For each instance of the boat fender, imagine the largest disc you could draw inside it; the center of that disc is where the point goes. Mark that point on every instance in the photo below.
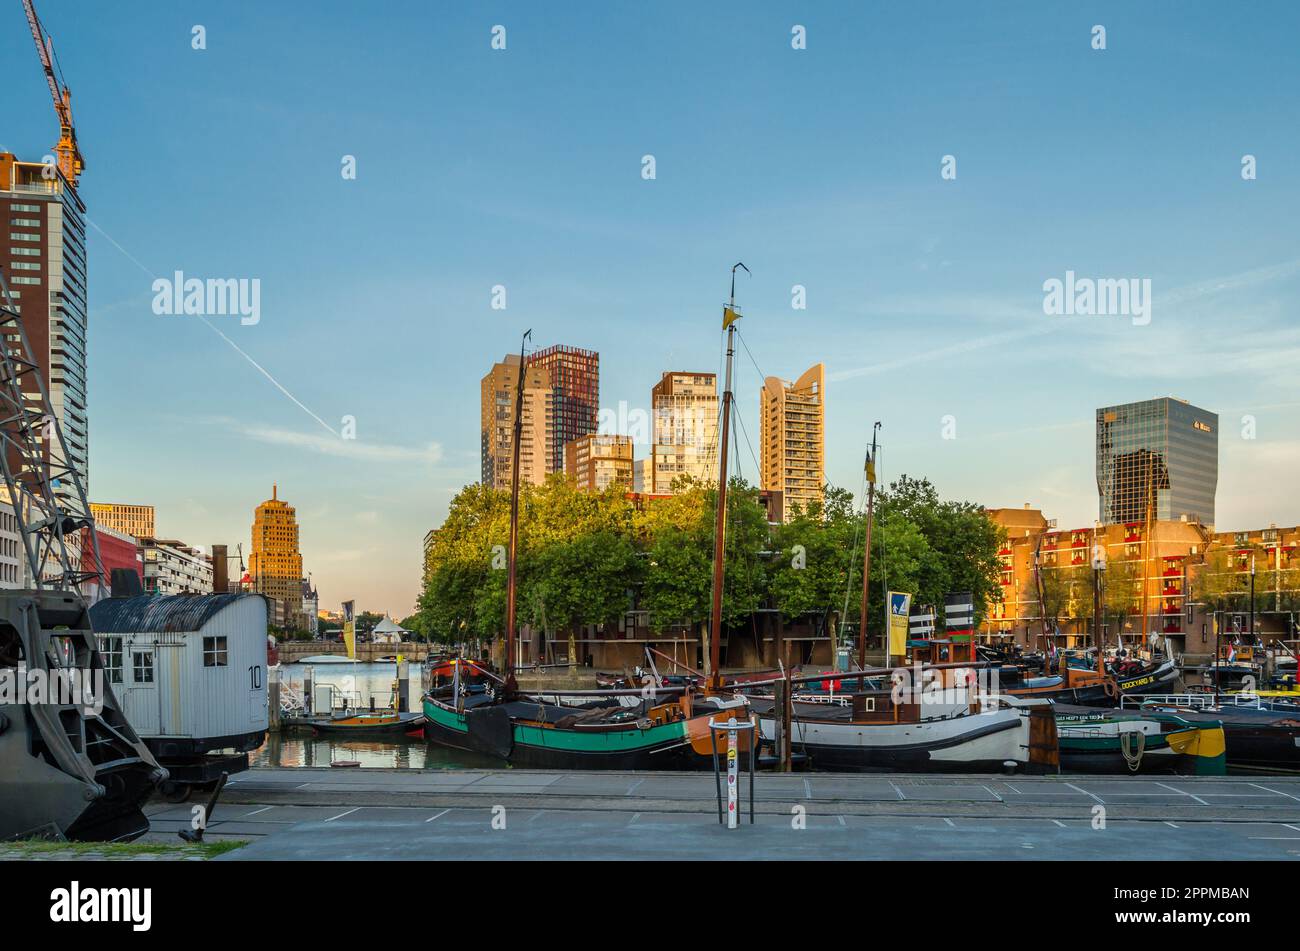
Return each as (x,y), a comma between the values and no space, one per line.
(1111,688)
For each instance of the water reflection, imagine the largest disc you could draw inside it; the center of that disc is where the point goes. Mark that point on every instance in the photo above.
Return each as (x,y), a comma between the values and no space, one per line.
(363,683)
(366,684)
(293,750)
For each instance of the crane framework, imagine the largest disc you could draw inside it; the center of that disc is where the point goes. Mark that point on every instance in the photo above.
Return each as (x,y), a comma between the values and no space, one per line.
(70,765)
(67,152)
(34,462)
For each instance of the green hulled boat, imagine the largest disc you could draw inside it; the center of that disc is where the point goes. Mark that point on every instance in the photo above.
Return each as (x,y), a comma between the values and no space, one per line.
(532,733)
(1127,742)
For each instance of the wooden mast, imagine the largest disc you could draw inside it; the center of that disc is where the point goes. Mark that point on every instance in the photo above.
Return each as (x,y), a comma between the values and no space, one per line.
(713,657)
(511,586)
(866,557)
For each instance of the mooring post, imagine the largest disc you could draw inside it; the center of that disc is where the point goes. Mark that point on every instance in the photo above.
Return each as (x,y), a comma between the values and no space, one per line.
(732,728)
(273,699)
(733,764)
(787,719)
(778,719)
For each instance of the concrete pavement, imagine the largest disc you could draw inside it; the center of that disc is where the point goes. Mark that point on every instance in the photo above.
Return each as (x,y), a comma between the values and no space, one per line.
(520,814)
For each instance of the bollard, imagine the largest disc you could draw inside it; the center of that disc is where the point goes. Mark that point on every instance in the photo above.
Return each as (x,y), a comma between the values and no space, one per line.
(273,699)
(787,720)
(732,728)
(779,724)
(403,686)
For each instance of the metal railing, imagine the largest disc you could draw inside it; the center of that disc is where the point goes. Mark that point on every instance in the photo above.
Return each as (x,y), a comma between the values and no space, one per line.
(1193,701)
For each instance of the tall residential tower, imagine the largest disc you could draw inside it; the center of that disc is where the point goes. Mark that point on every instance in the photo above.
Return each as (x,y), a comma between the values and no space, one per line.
(575,396)
(497,420)
(792,423)
(685,441)
(43,253)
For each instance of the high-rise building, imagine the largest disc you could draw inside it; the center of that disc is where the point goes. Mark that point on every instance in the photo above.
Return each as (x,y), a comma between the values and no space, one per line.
(137,520)
(685,441)
(43,253)
(14,571)
(497,417)
(792,424)
(642,475)
(275,564)
(173,567)
(575,396)
(1161,454)
(598,460)
(430,540)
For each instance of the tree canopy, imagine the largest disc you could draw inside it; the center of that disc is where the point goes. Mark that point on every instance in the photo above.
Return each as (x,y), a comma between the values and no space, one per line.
(586,558)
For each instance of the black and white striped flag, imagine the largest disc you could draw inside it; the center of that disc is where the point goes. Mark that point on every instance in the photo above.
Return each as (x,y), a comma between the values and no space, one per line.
(959,612)
(920,627)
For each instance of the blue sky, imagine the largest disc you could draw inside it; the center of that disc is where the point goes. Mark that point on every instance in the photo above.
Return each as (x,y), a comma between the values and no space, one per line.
(521,167)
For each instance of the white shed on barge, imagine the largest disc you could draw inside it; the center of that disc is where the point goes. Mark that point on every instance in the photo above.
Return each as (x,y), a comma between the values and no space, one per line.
(190,670)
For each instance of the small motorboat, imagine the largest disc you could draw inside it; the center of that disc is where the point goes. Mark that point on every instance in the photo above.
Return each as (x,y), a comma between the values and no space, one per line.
(327,659)
(378,723)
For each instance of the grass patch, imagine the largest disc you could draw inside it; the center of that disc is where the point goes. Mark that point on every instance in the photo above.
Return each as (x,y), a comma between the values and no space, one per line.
(123,850)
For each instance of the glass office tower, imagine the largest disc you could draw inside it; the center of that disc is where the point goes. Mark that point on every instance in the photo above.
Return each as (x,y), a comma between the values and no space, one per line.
(1162,453)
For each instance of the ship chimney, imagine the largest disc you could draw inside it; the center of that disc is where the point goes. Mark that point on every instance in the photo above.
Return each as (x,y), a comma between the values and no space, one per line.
(220,569)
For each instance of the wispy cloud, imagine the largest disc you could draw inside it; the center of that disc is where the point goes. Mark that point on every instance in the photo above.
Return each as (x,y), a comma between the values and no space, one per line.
(1174,331)
(358,449)
(940,353)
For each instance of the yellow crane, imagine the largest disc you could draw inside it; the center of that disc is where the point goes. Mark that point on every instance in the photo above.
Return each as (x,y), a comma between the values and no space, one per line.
(67,153)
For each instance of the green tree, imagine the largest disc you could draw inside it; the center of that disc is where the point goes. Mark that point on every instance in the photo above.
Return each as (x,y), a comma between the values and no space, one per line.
(817,560)
(678,579)
(901,560)
(962,542)
(585,580)
(1218,583)
(1122,592)
(679,574)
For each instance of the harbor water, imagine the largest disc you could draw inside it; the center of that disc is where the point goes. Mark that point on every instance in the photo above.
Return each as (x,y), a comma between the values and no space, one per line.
(365,685)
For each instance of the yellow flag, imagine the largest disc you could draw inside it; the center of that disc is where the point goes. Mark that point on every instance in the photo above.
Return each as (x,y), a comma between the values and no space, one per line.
(350,628)
(729,316)
(871,470)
